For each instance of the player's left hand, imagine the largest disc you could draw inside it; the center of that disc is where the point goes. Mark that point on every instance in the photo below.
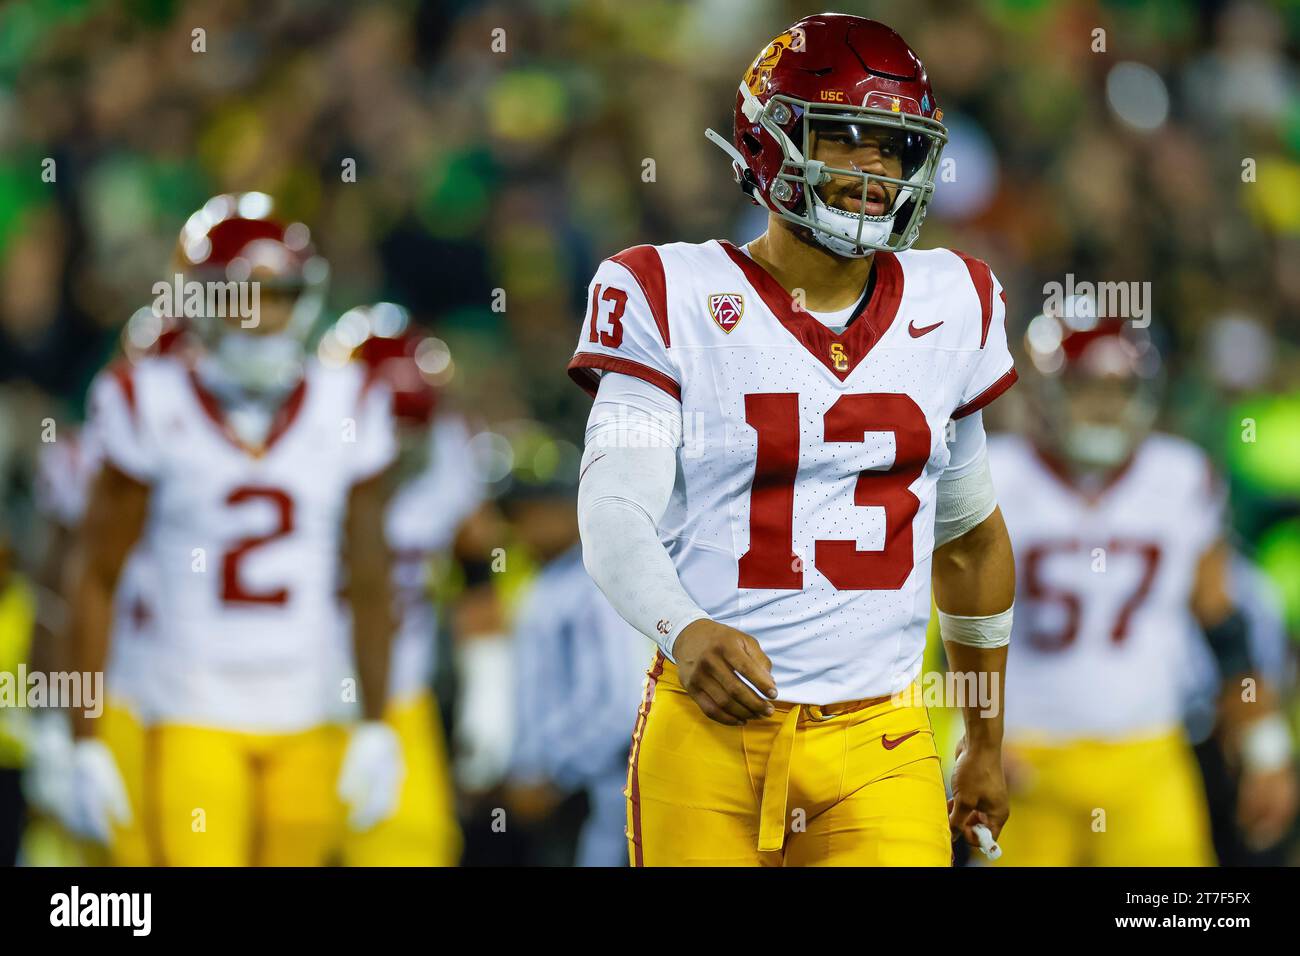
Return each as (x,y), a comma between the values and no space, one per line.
(370,782)
(1266,805)
(979,792)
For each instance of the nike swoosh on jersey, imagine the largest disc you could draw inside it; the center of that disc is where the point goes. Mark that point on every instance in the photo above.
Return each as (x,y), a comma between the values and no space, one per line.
(891,744)
(925,329)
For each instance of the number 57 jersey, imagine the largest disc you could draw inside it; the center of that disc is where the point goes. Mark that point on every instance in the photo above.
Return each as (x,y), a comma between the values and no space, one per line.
(803,512)
(246,542)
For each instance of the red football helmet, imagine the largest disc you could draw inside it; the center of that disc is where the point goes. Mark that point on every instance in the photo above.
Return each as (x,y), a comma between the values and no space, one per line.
(232,241)
(846,80)
(406,359)
(1098,385)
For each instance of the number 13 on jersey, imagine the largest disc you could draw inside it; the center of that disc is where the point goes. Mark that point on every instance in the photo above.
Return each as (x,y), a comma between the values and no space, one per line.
(770,561)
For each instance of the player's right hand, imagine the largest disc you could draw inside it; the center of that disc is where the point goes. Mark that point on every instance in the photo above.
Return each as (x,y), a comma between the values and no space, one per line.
(98,800)
(709,658)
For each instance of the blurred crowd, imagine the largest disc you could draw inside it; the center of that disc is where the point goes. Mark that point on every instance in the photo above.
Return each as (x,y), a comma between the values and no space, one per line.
(475,161)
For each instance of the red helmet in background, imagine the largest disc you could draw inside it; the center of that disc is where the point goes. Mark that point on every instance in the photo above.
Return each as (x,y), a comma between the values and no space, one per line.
(148,334)
(237,248)
(1098,386)
(850,77)
(410,362)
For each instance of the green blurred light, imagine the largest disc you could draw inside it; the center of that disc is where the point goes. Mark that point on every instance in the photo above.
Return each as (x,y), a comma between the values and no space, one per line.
(1271,462)
(456,193)
(1278,555)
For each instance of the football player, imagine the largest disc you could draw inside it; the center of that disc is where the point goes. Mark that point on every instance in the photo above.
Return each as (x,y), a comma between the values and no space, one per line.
(438,490)
(1119,547)
(66,468)
(768,491)
(254,475)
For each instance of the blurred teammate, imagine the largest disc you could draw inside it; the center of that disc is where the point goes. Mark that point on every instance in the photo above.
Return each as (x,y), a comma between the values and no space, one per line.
(438,490)
(254,476)
(1249,825)
(767,491)
(66,469)
(1119,550)
(579,669)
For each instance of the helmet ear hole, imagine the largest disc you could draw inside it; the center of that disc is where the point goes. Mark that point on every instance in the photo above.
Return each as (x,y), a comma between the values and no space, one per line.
(752,143)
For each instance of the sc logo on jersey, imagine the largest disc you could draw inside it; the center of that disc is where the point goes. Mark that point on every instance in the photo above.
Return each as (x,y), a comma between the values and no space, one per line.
(839,357)
(727,308)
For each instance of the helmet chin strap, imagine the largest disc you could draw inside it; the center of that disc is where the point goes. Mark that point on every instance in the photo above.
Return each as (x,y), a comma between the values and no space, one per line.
(842,237)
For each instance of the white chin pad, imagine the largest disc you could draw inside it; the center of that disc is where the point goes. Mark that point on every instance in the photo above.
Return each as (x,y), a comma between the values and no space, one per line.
(837,230)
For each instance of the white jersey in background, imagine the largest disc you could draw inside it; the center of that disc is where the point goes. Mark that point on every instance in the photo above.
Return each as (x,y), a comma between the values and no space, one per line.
(65,470)
(421,522)
(247,543)
(1103,601)
(803,512)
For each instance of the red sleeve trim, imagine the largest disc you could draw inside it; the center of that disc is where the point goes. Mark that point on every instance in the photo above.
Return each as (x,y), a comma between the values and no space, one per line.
(986,396)
(121,372)
(648,270)
(981,276)
(583,367)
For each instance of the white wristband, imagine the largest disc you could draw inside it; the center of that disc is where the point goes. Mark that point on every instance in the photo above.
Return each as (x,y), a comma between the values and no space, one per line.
(993,630)
(1266,744)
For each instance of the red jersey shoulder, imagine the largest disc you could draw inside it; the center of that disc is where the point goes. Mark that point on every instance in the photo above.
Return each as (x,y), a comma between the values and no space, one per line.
(950,276)
(645,265)
(986,289)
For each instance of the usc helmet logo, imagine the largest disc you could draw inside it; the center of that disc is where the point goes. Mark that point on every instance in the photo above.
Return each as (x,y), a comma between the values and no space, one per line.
(839,357)
(760,71)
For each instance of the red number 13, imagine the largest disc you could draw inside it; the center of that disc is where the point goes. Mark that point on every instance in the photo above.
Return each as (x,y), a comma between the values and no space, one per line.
(770,561)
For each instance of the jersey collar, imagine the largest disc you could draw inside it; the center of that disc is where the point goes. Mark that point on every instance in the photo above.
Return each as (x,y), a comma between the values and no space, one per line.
(284,415)
(839,353)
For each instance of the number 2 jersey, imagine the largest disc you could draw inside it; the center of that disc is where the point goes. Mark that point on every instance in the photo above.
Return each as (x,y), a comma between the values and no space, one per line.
(246,543)
(804,504)
(1103,626)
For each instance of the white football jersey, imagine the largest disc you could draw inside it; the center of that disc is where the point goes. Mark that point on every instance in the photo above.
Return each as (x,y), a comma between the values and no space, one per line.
(66,468)
(803,512)
(246,542)
(1103,601)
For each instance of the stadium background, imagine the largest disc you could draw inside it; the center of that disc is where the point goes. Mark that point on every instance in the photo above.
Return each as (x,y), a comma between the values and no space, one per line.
(1172,157)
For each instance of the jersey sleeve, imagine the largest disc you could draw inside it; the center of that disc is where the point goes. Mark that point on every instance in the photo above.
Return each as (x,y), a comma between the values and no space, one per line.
(376,437)
(62,478)
(115,430)
(456,473)
(1207,517)
(993,371)
(625,328)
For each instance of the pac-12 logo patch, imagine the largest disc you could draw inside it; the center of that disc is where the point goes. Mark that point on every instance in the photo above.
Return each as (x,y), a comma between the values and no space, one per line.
(727,309)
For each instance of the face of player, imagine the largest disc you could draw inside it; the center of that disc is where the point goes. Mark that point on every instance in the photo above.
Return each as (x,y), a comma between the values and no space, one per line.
(861,147)
(1101,428)
(260,353)
(273,310)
